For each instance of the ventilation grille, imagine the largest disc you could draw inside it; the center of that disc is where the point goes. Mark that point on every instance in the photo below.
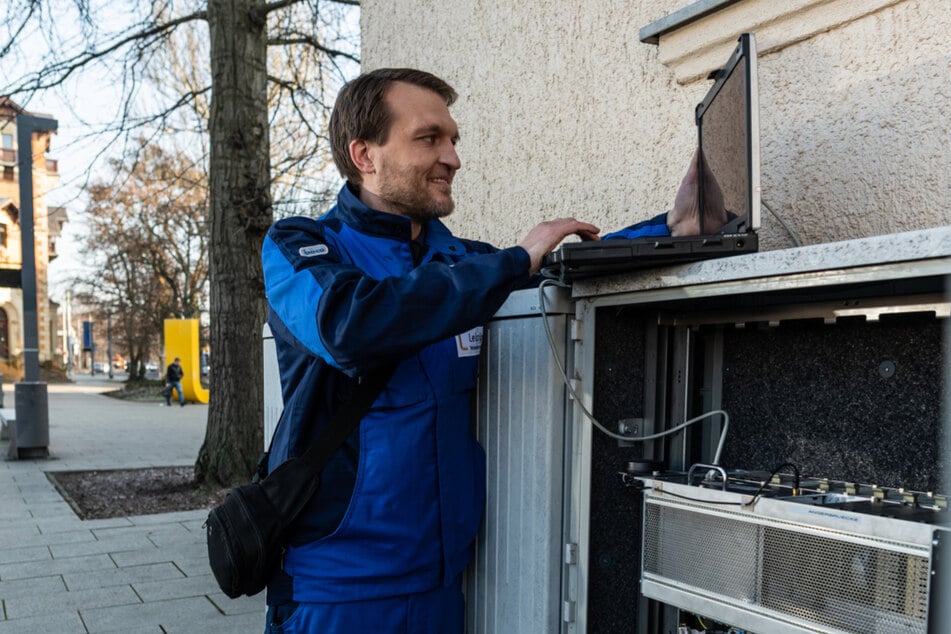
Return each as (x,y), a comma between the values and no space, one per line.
(821,583)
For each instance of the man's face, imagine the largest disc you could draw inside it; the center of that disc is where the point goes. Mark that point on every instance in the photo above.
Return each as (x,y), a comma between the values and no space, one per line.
(413,170)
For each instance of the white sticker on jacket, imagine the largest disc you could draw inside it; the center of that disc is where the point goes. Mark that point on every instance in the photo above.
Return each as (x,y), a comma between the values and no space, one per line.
(469,344)
(314,250)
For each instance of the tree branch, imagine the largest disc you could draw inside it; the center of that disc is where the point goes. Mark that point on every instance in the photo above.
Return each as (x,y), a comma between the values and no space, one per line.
(310,41)
(276,5)
(19,29)
(280,4)
(60,71)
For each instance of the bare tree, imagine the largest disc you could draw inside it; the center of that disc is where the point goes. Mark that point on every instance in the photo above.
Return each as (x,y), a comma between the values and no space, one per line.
(239,141)
(147,246)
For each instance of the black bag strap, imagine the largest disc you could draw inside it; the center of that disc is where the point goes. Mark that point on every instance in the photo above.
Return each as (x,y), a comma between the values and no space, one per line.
(336,432)
(347,418)
(292,484)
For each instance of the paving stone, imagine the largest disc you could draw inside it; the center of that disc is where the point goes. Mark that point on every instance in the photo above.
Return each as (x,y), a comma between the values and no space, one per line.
(61,524)
(177,588)
(242,605)
(165,539)
(9,533)
(60,623)
(101,546)
(239,623)
(35,586)
(28,477)
(195,566)
(195,525)
(156,555)
(165,518)
(55,567)
(176,613)
(48,510)
(23,607)
(159,534)
(18,513)
(37,539)
(17,555)
(122,576)
(44,494)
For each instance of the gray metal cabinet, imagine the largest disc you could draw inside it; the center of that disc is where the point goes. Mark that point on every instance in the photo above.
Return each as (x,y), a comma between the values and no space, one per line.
(831,356)
(515,583)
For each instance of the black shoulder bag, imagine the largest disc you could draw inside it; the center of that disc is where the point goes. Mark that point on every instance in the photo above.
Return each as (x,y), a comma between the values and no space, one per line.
(246,533)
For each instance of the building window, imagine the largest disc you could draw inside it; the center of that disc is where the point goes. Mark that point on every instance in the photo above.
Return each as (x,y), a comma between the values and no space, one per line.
(8,172)
(3,235)
(7,141)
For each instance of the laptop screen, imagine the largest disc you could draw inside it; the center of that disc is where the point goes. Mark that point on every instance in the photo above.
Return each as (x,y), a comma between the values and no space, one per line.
(728,130)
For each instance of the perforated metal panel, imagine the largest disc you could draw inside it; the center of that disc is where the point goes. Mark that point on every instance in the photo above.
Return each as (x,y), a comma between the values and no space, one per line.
(514,583)
(800,577)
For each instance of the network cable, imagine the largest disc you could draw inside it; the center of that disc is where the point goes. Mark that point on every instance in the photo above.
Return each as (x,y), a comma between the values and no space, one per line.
(590,416)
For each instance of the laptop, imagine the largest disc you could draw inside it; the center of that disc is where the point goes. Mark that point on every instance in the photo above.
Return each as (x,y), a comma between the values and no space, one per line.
(728,138)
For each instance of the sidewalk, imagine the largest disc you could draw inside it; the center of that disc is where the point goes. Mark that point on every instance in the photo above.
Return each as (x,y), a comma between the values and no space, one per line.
(59,574)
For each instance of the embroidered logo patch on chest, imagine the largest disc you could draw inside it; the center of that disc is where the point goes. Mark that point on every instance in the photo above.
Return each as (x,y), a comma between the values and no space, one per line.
(314,250)
(469,344)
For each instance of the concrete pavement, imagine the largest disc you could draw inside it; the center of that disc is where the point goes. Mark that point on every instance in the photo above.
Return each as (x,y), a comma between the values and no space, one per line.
(60,574)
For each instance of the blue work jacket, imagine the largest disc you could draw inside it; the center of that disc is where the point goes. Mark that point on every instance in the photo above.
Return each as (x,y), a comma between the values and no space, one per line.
(400,504)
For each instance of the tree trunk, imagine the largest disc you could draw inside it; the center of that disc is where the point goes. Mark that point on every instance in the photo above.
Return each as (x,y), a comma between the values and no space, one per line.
(239,215)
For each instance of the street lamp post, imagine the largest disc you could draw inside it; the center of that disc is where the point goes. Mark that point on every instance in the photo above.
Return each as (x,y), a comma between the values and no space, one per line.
(30,395)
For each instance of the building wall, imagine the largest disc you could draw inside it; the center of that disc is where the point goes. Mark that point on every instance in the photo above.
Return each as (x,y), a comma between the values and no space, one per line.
(563,111)
(45,177)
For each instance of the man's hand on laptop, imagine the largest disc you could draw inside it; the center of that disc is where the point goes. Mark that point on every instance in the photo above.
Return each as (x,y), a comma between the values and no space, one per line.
(547,235)
(684,218)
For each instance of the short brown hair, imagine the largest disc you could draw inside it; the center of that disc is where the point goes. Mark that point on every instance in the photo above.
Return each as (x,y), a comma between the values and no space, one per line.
(361,113)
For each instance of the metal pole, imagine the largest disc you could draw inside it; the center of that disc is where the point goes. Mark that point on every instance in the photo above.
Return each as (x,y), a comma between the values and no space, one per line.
(69,334)
(109,342)
(32,405)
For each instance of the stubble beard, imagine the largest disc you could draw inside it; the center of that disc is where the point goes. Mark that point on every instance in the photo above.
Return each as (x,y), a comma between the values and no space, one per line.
(432,212)
(415,202)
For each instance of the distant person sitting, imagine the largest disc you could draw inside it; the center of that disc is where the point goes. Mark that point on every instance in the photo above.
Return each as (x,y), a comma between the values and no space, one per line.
(173,379)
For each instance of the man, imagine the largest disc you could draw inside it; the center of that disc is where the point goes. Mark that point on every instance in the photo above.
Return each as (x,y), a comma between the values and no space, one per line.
(173,379)
(382,546)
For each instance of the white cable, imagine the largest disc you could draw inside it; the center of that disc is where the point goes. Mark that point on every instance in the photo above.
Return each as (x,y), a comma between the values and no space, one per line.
(590,416)
(792,234)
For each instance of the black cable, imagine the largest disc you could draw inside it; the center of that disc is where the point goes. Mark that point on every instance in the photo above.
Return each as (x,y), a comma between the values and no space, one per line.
(686,497)
(769,479)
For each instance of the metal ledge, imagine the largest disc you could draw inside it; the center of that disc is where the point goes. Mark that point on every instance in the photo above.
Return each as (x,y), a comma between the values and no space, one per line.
(926,252)
(651,33)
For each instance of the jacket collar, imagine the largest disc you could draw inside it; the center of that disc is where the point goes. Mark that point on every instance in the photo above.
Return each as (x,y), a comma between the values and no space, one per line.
(353,212)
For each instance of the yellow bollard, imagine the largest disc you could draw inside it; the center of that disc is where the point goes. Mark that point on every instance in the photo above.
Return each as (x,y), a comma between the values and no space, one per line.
(181,340)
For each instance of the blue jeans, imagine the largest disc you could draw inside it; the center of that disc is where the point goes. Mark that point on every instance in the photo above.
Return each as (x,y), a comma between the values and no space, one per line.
(181,395)
(438,611)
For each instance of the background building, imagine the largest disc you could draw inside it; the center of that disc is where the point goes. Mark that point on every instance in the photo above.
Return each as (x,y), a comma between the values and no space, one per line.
(564,110)
(48,224)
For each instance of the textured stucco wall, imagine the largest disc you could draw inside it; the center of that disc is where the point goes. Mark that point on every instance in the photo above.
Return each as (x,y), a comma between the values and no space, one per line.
(564,112)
